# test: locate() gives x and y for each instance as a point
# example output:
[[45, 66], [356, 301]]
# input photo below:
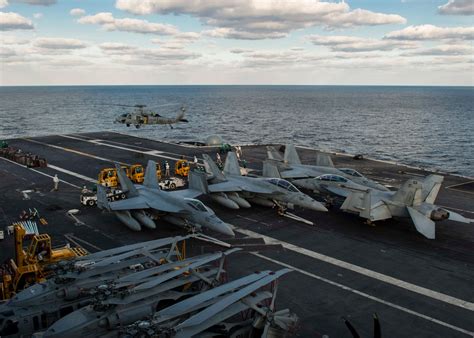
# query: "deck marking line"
[[76, 239], [363, 294], [457, 209], [150, 152], [458, 184], [82, 177], [369, 273], [39, 172], [74, 151]]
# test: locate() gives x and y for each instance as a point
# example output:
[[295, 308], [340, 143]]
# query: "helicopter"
[[140, 117]]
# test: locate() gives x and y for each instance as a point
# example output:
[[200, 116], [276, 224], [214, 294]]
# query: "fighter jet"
[[138, 296], [71, 284], [233, 191], [415, 199], [176, 207], [291, 168]]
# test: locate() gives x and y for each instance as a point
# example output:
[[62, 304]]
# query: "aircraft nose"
[[317, 206], [221, 227]]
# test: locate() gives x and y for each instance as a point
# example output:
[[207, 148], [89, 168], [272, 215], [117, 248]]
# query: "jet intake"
[[144, 219], [224, 200], [242, 202], [126, 218]]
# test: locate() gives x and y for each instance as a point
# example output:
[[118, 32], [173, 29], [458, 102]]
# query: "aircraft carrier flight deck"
[[342, 266]]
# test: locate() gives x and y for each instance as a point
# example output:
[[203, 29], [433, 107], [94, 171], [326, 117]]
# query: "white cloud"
[[110, 23], [59, 43], [3, 3], [261, 19], [38, 15], [240, 51], [12, 40], [37, 2], [457, 7], [77, 12], [344, 43], [443, 50], [232, 33], [6, 52], [430, 32], [135, 55], [12, 21]]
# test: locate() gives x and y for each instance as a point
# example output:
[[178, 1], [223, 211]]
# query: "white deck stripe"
[[366, 272], [82, 177], [363, 294], [74, 151], [149, 152], [39, 172]]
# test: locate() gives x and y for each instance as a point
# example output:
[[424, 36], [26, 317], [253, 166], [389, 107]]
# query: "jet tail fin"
[[274, 154], [212, 168], [102, 202], [125, 182], [431, 186], [180, 115], [324, 160], [270, 169], [198, 181], [291, 155], [151, 179], [231, 165]]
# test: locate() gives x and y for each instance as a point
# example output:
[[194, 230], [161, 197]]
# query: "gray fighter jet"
[[141, 117], [71, 284], [176, 207], [137, 296], [232, 190], [290, 167], [415, 199]]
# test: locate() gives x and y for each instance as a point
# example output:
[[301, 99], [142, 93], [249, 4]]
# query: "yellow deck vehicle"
[[109, 178], [28, 266], [181, 168], [136, 173]]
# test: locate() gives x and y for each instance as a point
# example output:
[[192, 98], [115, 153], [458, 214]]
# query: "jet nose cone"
[[317, 206], [224, 228], [228, 230]]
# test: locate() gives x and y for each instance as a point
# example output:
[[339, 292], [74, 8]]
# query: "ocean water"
[[430, 127]]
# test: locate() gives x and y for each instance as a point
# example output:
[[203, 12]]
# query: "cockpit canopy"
[[351, 172], [196, 204], [332, 178], [283, 184]]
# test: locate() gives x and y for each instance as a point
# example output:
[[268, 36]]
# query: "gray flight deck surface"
[[418, 287]]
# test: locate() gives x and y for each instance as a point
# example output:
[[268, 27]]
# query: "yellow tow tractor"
[[136, 173], [109, 178], [182, 168], [28, 267]]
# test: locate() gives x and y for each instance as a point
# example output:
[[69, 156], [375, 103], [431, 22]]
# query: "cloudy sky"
[[385, 42]]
